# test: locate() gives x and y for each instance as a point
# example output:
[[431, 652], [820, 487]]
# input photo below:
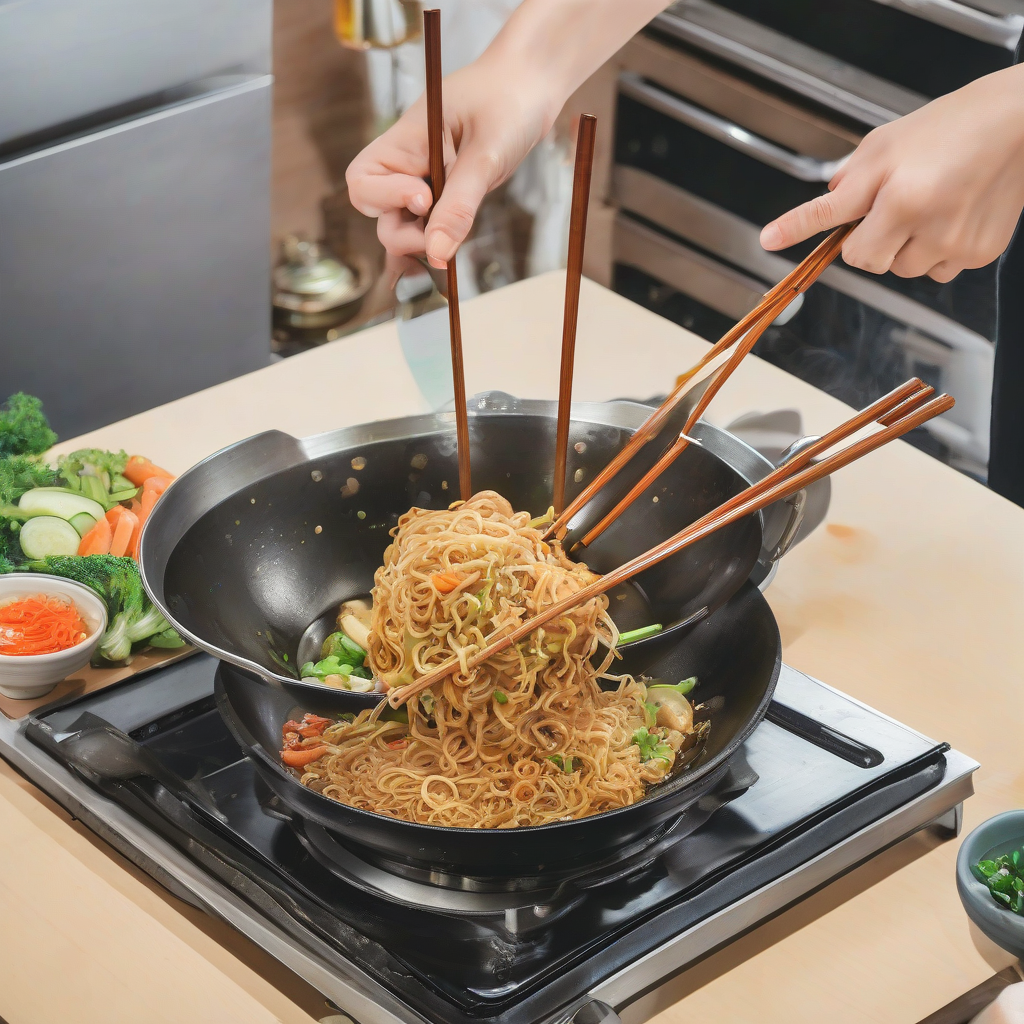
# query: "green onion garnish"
[[1004, 879], [639, 634], [501, 698]]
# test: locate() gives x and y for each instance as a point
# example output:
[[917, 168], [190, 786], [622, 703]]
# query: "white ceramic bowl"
[[32, 675]]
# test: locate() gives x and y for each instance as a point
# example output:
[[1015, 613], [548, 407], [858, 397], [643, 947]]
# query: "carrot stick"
[[156, 483], [300, 758], [140, 469], [149, 499], [127, 523], [97, 540], [445, 582]]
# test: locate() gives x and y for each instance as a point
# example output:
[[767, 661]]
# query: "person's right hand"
[[490, 120], [495, 111]]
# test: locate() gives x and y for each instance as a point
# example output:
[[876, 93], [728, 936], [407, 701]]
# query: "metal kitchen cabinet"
[[134, 202]]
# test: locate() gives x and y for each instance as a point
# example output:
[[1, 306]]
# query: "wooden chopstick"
[[776, 299], [435, 147], [812, 268], [682, 442], [784, 481], [573, 273], [908, 406], [913, 391]]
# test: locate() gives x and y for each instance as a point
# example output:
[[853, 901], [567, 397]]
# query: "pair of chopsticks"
[[574, 272], [902, 410], [746, 333]]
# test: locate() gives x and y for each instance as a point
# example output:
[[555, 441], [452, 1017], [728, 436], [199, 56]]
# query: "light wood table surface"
[[910, 598]]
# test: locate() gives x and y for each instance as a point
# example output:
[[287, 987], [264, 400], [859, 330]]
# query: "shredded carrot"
[[40, 625], [300, 758], [445, 582]]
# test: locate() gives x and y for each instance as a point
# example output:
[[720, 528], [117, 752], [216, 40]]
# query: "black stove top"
[[821, 768]]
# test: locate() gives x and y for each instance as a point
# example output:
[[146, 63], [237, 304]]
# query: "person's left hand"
[[939, 190]]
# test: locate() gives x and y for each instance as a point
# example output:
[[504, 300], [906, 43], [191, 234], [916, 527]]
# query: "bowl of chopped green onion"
[[990, 879]]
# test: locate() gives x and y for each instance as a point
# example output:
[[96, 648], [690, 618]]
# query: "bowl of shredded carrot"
[[49, 629]]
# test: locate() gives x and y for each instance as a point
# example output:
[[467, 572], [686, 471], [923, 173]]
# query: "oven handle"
[[993, 29], [796, 165]]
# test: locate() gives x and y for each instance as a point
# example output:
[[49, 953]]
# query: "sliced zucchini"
[[60, 502], [83, 523], [44, 536]]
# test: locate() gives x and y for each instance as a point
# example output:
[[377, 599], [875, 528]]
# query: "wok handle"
[[797, 502], [594, 1012]]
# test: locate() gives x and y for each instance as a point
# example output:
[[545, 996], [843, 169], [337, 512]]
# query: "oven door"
[[871, 60], [850, 347]]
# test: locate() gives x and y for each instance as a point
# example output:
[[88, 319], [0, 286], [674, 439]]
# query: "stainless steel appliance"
[[134, 201], [821, 785], [730, 113]]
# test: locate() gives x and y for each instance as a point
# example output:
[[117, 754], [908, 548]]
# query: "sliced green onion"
[[500, 697], [639, 634]]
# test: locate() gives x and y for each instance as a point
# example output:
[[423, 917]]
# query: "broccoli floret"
[[20, 473], [107, 466], [23, 427], [6, 562], [132, 616]]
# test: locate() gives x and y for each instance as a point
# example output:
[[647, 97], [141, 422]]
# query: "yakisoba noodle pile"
[[526, 738]]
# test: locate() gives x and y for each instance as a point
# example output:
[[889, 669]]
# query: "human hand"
[[1007, 1009], [939, 190], [495, 111], [491, 121]]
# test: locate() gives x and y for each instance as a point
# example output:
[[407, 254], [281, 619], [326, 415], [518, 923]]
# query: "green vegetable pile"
[[25, 436], [98, 475], [340, 657], [1004, 877]]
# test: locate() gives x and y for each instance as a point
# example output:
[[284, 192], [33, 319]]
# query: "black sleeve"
[[1006, 456]]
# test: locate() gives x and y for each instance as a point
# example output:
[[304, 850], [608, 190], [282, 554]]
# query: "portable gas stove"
[[823, 784]]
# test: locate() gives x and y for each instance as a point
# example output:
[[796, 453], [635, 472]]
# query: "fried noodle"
[[528, 737]]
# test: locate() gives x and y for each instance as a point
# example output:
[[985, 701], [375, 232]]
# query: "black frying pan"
[[736, 654], [250, 553]]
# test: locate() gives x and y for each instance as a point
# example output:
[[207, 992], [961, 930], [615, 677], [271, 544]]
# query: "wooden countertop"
[[911, 598]]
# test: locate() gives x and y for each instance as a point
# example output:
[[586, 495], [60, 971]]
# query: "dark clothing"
[[1006, 458]]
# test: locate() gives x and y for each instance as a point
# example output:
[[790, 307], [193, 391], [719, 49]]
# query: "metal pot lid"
[[310, 280]]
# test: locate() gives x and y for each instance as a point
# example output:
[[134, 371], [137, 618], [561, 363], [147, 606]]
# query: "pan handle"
[[797, 502], [593, 1012]]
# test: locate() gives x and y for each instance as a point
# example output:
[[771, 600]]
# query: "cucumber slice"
[[83, 523], [44, 536], [60, 502]]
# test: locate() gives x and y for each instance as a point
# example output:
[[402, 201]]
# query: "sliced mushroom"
[[674, 710]]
